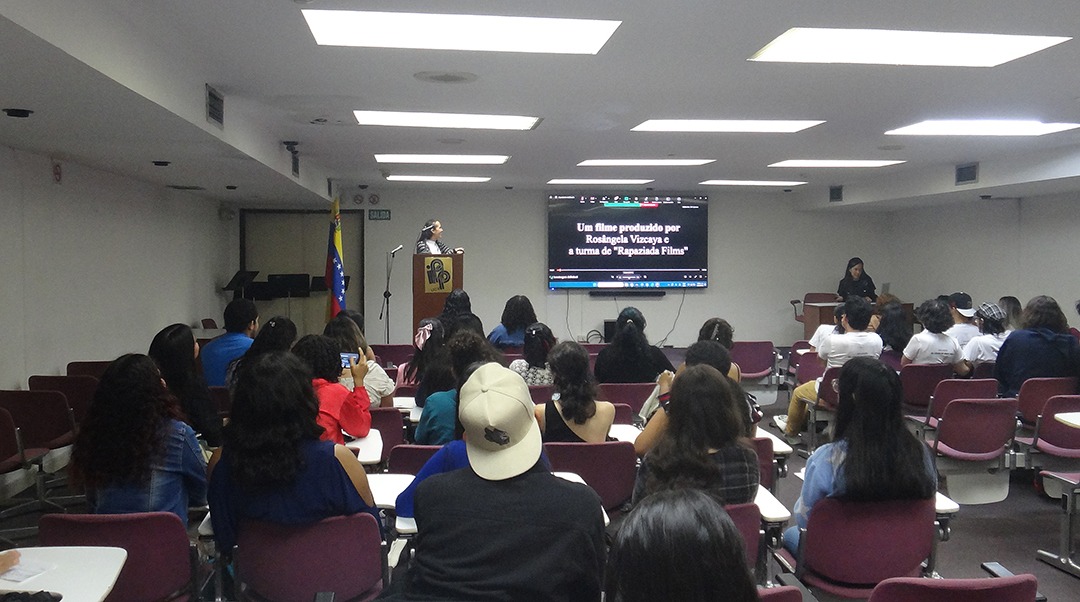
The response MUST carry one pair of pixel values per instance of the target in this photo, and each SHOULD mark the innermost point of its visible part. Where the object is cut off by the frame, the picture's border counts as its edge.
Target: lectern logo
(439, 274)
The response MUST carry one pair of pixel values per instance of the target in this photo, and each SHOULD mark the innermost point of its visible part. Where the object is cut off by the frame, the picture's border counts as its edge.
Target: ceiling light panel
(892, 47)
(749, 183)
(981, 127)
(458, 32)
(834, 163)
(604, 181)
(446, 120)
(443, 159)
(644, 162)
(454, 179)
(766, 126)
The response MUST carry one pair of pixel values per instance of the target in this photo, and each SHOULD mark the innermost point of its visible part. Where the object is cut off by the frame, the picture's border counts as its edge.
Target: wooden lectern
(434, 276)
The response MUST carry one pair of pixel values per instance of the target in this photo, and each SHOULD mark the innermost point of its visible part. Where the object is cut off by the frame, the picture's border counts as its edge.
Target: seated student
(836, 350)
(825, 330)
(439, 417)
(478, 533)
(241, 326)
(895, 333)
(962, 313)
(1043, 347)
(704, 446)
(428, 340)
(573, 415)
(669, 532)
(534, 366)
(339, 409)
(278, 334)
(630, 358)
(719, 330)
(873, 456)
(709, 353)
(931, 345)
(175, 350)
(132, 453)
(517, 314)
(985, 347)
(344, 331)
(273, 466)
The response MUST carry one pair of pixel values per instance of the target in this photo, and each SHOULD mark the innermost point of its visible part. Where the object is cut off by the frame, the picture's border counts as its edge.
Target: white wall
(761, 254)
(95, 265)
(991, 248)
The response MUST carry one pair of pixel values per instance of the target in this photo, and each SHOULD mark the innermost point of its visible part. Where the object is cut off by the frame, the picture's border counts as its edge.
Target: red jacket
(342, 410)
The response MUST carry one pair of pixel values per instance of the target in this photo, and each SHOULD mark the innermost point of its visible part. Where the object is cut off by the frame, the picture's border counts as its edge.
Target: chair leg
(1063, 560)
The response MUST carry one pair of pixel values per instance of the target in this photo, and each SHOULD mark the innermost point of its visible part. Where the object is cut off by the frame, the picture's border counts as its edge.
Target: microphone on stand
(399, 247)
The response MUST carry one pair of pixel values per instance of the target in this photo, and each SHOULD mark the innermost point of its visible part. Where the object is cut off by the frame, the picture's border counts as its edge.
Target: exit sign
(378, 214)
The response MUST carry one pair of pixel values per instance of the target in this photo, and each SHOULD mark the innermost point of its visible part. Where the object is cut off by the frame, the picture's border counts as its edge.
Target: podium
(433, 277)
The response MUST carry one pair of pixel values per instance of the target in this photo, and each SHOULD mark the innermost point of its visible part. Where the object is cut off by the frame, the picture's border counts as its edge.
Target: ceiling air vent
(967, 174)
(215, 106)
(836, 194)
(182, 187)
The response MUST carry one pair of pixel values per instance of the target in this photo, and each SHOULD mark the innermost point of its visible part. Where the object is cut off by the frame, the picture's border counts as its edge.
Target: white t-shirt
(932, 348)
(837, 349)
(821, 333)
(377, 383)
(963, 333)
(984, 348)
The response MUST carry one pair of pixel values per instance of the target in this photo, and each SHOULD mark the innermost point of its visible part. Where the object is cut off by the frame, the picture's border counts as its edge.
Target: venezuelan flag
(335, 268)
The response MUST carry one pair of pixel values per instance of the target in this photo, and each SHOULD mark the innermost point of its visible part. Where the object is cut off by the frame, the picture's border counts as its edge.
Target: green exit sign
(378, 214)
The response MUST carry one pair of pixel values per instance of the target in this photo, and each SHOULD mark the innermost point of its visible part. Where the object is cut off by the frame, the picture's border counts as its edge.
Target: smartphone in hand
(345, 359)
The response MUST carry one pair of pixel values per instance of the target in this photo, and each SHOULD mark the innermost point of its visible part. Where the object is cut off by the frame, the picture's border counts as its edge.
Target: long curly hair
(630, 347)
(573, 381)
(705, 412)
(320, 355)
(122, 435)
(934, 315)
(274, 411)
(893, 328)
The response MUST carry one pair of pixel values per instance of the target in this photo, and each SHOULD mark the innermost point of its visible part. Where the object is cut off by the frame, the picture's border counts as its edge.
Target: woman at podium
(856, 282)
(430, 240)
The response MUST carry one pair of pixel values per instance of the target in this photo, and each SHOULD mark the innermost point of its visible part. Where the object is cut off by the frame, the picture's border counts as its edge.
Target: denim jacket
(178, 480)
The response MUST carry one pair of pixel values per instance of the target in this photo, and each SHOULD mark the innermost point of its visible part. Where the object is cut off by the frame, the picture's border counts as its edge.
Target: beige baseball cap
(502, 438)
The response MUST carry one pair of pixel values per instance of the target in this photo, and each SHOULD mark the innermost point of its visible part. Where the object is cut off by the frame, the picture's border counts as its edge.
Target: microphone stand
(387, 294)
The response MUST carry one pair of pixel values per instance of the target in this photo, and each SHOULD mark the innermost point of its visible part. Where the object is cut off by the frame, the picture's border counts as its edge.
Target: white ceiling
(119, 83)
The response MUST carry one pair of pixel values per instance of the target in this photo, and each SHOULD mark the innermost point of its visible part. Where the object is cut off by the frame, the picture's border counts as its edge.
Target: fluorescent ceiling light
(834, 163)
(458, 179)
(749, 183)
(891, 47)
(443, 159)
(458, 32)
(981, 127)
(644, 162)
(767, 126)
(585, 181)
(446, 120)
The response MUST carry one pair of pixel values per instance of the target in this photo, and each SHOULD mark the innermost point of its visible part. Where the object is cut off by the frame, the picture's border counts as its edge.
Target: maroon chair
(222, 399)
(891, 358)
(594, 348)
(45, 421)
(624, 414)
(208, 323)
(161, 562)
(405, 391)
(823, 406)
(632, 394)
(1018, 588)
(951, 389)
(609, 468)
(78, 390)
(841, 550)
(17, 472)
(782, 593)
(1051, 437)
(747, 519)
(541, 394)
(984, 370)
(811, 367)
(756, 359)
(282, 563)
(95, 369)
(1070, 484)
(919, 382)
(767, 467)
(794, 357)
(1035, 391)
(391, 427)
(972, 437)
(810, 298)
(398, 354)
(409, 459)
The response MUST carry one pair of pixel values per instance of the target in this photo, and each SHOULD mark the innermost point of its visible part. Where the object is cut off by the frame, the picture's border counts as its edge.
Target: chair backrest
(827, 395)
(1059, 434)
(541, 394)
(756, 359)
(95, 369)
(782, 593)
(594, 348)
(920, 380)
(632, 394)
(222, 399)
(398, 354)
(159, 559)
(1017, 588)
(747, 519)
(79, 391)
(209, 323)
(405, 391)
(609, 468)
(819, 298)
(391, 426)
(794, 357)
(764, 448)
(891, 358)
(984, 370)
(281, 563)
(624, 414)
(1034, 393)
(43, 417)
(960, 388)
(810, 367)
(844, 543)
(409, 459)
(976, 429)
